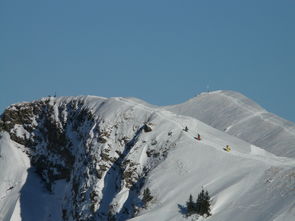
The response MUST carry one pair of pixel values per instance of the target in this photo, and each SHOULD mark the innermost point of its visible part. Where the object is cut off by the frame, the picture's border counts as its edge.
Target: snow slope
(110, 150)
(237, 115)
(13, 166)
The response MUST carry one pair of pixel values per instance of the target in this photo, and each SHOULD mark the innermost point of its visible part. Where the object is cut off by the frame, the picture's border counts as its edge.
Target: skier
(198, 137)
(227, 148)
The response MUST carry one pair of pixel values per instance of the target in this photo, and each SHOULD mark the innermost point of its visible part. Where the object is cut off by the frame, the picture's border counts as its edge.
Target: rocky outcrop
(67, 141)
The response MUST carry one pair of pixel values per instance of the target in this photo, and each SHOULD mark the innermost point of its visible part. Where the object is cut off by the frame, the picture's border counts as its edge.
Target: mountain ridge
(91, 158)
(239, 116)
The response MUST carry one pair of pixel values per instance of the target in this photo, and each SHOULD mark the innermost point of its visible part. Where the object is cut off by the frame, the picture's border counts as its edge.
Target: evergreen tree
(207, 204)
(147, 196)
(198, 206)
(203, 203)
(201, 206)
(190, 205)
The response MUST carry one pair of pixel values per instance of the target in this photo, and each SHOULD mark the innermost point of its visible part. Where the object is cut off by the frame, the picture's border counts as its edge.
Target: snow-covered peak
(237, 115)
(92, 158)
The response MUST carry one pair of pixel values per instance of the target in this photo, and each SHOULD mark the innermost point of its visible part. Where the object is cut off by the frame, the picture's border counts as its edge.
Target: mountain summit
(237, 115)
(92, 158)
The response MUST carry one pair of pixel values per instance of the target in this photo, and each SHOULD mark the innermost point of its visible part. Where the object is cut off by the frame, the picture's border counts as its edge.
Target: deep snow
(237, 115)
(248, 183)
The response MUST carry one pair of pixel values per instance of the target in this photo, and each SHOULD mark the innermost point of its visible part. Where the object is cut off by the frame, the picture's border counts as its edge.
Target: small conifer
(147, 196)
(201, 206)
(190, 205)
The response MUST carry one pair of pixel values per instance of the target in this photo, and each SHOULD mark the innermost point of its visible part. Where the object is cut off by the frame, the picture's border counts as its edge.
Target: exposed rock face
(65, 140)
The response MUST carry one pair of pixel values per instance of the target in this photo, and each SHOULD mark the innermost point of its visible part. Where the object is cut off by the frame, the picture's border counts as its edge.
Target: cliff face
(67, 140)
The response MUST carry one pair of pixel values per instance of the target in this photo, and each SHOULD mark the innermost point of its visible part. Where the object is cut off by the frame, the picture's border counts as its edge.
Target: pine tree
(203, 203)
(201, 206)
(207, 204)
(147, 196)
(190, 205)
(198, 206)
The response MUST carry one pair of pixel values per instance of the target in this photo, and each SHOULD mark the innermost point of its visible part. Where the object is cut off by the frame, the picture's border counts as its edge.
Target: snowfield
(109, 151)
(237, 115)
(13, 174)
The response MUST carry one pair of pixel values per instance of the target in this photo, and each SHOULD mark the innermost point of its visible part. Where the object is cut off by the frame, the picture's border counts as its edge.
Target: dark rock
(147, 128)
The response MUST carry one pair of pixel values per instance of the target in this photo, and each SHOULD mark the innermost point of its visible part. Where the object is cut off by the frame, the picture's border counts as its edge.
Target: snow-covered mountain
(237, 115)
(92, 158)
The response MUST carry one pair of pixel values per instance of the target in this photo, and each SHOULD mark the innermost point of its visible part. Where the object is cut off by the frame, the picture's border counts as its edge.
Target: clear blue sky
(164, 52)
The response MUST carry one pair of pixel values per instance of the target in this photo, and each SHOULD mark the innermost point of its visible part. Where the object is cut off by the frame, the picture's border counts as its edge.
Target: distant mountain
(237, 115)
(92, 158)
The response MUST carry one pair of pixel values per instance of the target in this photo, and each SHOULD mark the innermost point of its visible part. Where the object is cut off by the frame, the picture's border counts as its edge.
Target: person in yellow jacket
(227, 148)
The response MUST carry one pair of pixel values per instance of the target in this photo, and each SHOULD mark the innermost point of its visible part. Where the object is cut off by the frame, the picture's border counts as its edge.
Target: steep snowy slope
(13, 166)
(237, 115)
(92, 158)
